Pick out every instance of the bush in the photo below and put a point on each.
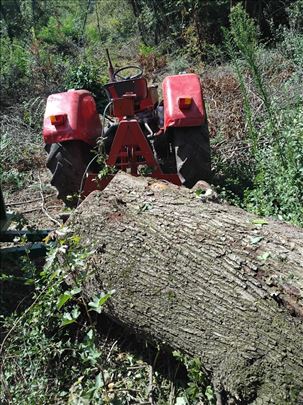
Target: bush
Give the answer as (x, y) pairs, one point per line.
(87, 74)
(291, 44)
(278, 183)
(60, 32)
(15, 60)
(21, 145)
(275, 135)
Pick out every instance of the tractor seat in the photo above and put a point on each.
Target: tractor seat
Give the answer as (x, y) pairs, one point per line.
(118, 89)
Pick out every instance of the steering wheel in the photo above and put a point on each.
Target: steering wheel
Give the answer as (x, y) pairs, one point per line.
(138, 70)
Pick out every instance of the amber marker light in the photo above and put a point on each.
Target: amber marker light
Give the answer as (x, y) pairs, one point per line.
(58, 120)
(185, 103)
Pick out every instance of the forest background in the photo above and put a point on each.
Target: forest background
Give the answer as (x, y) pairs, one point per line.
(249, 54)
(251, 71)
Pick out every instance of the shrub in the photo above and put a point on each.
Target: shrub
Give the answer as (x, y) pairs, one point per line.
(291, 44)
(61, 32)
(87, 74)
(278, 183)
(275, 135)
(15, 60)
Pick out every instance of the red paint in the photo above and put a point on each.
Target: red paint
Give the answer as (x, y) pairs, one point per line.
(136, 86)
(81, 121)
(124, 106)
(72, 116)
(130, 148)
(178, 87)
(130, 151)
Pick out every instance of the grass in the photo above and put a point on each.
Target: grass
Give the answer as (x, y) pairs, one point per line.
(21, 144)
(268, 179)
(58, 347)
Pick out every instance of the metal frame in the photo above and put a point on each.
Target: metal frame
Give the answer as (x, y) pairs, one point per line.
(130, 150)
(34, 249)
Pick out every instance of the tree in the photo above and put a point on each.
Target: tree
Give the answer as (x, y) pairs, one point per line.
(180, 22)
(208, 279)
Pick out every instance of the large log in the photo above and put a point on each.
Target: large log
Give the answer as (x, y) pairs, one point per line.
(205, 278)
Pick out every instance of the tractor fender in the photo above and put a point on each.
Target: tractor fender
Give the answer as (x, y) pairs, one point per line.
(176, 90)
(69, 116)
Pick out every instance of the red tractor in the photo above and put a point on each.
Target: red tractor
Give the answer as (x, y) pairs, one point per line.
(166, 140)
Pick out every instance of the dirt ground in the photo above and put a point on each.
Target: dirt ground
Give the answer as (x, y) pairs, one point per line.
(36, 202)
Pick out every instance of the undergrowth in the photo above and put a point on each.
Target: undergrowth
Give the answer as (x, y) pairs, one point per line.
(269, 180)
(21, 145)
(53, 350)
(57, 351)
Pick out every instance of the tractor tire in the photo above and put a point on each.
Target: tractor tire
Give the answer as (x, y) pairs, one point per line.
(108, 137)
(192, 153)
(68, 162)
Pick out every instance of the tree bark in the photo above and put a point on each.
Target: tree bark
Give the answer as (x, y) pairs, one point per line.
(204, 278)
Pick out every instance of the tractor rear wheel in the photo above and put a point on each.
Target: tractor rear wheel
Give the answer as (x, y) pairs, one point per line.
(108, 137)
(68, 162)
(192, 152)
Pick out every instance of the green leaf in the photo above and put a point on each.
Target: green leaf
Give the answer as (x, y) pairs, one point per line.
(99, 382)
(145, 207)
(98, 302)
(63, 299)
(66, 296)
(199, 192)
(67, 319)
(90, 334)
(181, 401)
(259, 221)
(264, 256)
(70, 317)
(209, 393)
(75, 291)
(29, 281)
(103, 299)
(75, 239)
(66, 322)
(75, 313)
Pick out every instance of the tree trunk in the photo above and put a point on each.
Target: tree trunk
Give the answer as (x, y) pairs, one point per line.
(202, 277)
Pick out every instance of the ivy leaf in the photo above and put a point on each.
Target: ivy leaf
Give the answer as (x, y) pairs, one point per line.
(99, 382)
(145, 207)
(67, 319)
(259, 221)
(66, 296)
(75, 239)
(199, 192)
(70, 317)
(209, 393)
(75, 291)
(90, 334)
(178, 355)
(75, 312)
(63, 299)
(98, 302)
